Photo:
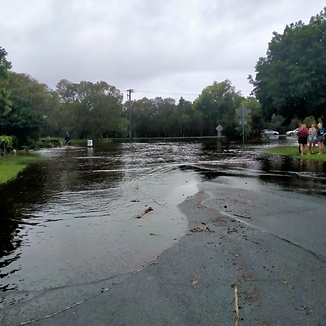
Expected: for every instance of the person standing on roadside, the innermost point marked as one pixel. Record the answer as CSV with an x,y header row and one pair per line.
x,y
300,126
312,137
68,139
320,138
303,138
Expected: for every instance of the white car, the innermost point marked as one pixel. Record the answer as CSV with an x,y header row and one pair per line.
x,y
292,132
269,132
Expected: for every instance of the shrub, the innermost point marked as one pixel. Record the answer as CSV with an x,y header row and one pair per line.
x,y
8,142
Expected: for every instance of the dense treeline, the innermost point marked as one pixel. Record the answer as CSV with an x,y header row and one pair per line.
x,y
96,110
291,80
216,105
289,86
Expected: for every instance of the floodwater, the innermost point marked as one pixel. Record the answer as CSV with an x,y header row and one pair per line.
x,y
69,223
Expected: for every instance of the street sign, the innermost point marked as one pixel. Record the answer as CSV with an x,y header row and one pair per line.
x,y
243,112
219,129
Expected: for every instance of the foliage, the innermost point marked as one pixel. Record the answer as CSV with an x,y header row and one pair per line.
x,y
27,118
186,117
8,141
254,122
5,66
25,124
91,110
27,92
217,105
155,118
290,80
289,86
308,121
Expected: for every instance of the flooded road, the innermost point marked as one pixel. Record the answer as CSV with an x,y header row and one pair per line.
x,y
69,226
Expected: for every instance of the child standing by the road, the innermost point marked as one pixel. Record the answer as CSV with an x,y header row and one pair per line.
x,y
320,138
312,137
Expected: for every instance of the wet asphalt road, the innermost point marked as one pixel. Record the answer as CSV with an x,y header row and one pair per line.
x,y
79,256
267,242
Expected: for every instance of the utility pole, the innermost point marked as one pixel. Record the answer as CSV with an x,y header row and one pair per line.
x,y
129,91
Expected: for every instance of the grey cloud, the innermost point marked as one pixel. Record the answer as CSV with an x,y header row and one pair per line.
x,y
173,45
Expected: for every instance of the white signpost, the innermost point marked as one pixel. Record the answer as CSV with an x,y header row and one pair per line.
x,y
219,129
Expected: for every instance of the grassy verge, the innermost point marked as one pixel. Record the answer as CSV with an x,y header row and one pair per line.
x,y
294,152
11,165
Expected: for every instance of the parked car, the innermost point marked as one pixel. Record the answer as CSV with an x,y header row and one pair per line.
x,y
292,132
269,132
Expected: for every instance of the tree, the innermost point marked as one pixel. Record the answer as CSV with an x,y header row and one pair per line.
x,y
155,118
28,92
92,109
254,121
30,106
217,104
5,66
290,81
25,124
185,115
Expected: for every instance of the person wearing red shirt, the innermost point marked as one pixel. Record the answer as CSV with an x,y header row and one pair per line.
x,y
303,138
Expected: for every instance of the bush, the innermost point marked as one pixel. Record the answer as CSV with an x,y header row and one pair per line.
x,y
8,142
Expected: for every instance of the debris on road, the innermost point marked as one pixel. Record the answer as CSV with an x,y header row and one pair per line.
x,y
147,210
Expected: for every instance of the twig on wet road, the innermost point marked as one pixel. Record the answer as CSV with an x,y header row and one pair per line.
x,y
147,210
236,304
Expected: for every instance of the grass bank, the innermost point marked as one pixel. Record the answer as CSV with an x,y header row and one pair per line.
x,y
294,152
11,165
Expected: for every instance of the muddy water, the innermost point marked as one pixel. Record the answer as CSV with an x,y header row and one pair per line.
x,y
69,226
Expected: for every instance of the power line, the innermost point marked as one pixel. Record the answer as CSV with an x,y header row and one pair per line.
x,y
162,92
137,90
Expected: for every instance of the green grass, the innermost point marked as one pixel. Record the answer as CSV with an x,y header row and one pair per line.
x,y
294,152
11,165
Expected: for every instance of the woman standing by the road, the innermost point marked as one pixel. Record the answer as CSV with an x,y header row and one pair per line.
x,y
320,138
302,138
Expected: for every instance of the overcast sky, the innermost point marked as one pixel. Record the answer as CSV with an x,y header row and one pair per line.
x,y
167,48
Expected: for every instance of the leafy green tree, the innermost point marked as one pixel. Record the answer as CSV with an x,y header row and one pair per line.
x,y
308,121
164,121
27,92
217,104
140,117
55,116
163,118
154,117
30,106
255,117
185,117
5,66
23,123
290,80
253,121
92,109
